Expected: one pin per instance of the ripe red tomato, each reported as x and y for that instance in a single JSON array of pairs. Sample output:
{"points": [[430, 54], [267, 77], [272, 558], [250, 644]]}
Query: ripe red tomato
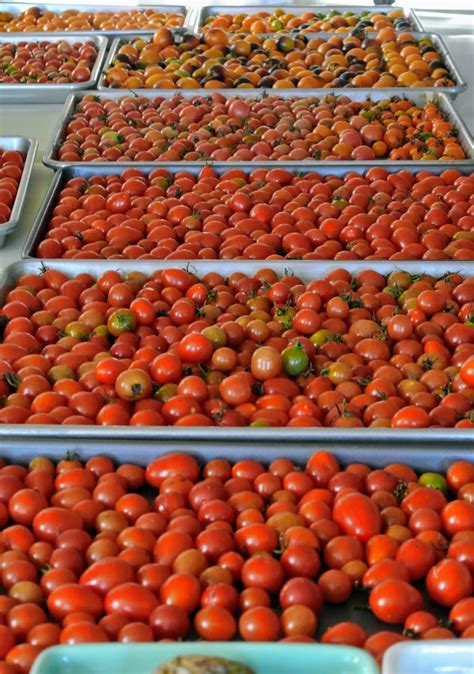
{"points": [[358, 516], [448, 582], [392, 601]]}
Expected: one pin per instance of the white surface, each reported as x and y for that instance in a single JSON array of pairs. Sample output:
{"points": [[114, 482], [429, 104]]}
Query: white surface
{"points": [[430, 657], [39, 120]]}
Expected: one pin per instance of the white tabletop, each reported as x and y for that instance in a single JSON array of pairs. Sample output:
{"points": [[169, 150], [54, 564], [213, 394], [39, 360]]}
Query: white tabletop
{"points": [[38, 121]]}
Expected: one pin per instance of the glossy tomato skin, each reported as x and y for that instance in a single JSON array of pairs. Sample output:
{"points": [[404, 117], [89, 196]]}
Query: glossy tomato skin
{"points": [[69, 598], [448, 582], [394, 600], [358, 516], [131, 600], [171, 465]]}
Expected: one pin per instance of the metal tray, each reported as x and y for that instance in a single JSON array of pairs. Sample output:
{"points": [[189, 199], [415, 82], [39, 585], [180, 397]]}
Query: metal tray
{"points": [[419, 98], [40, 225], [18, 7], [21, 450], [398, 443], [52, 93], [28, 147], [459, 86], [203, 13]]}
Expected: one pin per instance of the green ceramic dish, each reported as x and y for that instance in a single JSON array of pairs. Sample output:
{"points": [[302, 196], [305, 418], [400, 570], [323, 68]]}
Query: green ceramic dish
{"points": [[262, 658]]}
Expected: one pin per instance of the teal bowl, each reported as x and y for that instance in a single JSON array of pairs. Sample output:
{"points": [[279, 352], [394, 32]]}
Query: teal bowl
{"points": [[264, 658]]}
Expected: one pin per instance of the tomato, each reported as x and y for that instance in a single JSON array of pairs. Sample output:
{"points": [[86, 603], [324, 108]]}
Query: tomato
{"points": [[448, 582], [195, 348], [133, 385], [266, 363], [121, 321], [458, 516], [215, 623], [392, 601], [298, 621], [131, 600], [106, 574], [172, 465], [182, 590], [295, 360], [263, 571], [169, 622], [345, 634], [467, 371], [70, 597], [433, 480], [301, 591], [358, 516], [259, 624]]}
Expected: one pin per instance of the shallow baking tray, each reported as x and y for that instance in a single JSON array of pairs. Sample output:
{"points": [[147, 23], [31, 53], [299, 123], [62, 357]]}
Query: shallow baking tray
{"points": [[212, 10], [450, 440], [459, 86], [442, 101], [52, 93], [28, 147], [40, 224], [18, 7]]}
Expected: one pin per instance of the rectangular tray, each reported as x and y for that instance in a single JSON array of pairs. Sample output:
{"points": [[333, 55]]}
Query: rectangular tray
{"points": [[143, 450], [204, 12], [452, 440], [145, 658], [442, 101], [28, 147], [18, 7], [459, 86], [52, 93], [40, 224]]}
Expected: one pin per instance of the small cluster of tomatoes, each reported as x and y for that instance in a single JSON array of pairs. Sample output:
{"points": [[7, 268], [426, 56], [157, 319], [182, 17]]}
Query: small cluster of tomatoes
{"points": [[263, 214], [230, 128], [46, 62], [11, 169], [230, 550], [175, 349]]}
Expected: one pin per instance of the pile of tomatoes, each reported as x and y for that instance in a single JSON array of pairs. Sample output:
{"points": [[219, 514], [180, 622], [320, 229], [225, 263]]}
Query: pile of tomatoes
{"points": [[39, 19], [332, 21], [175, 349], [11, 169], [231, 550], [218, 60], [263, 214], [134, 128], [46, 62]]}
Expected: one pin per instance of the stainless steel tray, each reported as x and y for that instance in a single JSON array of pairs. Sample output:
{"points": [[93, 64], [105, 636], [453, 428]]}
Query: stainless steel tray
{"points": [[418, 97], [18, 7], [449, 440], [40, 224], [204, 12], [52, 93], [28, 146], [459, 86], [22, 450]]}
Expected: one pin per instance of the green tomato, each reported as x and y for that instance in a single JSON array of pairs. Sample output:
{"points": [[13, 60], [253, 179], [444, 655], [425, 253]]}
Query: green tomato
{"points": [[122, 320], [320, 337], [166, 392], [295, 360], [433, 480]]}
